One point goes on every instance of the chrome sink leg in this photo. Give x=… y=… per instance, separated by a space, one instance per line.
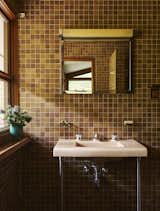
x=61 y=182
x=138 y=184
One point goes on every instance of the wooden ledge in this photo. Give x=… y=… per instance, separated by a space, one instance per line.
x=12 y=147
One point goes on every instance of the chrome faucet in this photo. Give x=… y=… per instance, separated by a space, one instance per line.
x=66 y=123
x=96 y=174
x=78 y=137
x=115 y=137
x=95 y=137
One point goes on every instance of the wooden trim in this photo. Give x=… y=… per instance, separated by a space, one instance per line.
x=6 y=10
x=78 y=72
x=4 y=76
x=78 y=58
x=79 y=79
x=13 y=147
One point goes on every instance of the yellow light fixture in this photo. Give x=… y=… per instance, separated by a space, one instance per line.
x=95 y=33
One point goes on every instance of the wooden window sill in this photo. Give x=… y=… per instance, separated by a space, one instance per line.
x=10 y=146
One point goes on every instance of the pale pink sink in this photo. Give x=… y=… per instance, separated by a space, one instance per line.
x=86 y=148
x=100 y=144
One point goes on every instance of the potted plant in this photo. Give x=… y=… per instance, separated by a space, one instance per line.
x=16 y=119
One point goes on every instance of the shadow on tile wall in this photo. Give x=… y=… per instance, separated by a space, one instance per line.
x=40 y=87
x=10 y=183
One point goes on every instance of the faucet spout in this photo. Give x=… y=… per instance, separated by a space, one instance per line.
x=114 y=137
x=95 y=137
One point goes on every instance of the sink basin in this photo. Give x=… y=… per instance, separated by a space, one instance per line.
x=99 y=144
x=86 y=148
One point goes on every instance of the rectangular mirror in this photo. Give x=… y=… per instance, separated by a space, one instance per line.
x=96 y=66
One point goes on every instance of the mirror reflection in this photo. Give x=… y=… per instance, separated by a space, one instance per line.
x=78 y=75
x=96 y=66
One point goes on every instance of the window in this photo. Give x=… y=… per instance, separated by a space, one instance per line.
x=4 y=64
x=7 y=58
x=4 y=29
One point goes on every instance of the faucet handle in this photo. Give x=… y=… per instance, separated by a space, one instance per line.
x=115 y=137
x=95 y=135
x=65 y=123
x=78 y=137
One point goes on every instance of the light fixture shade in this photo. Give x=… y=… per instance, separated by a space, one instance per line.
x=96 y=33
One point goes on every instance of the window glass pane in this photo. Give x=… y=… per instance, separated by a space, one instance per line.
x=3 y=99
x=86 y=75
x=80 y=86
x=4 y=27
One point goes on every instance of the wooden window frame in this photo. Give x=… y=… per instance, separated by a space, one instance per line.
x=12 y=76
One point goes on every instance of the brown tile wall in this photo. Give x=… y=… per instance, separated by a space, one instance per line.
x=10 y=183
x=14 y=4
x=39 y=66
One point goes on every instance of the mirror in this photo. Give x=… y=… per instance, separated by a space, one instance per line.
x=78 y=75
x=96 y=66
